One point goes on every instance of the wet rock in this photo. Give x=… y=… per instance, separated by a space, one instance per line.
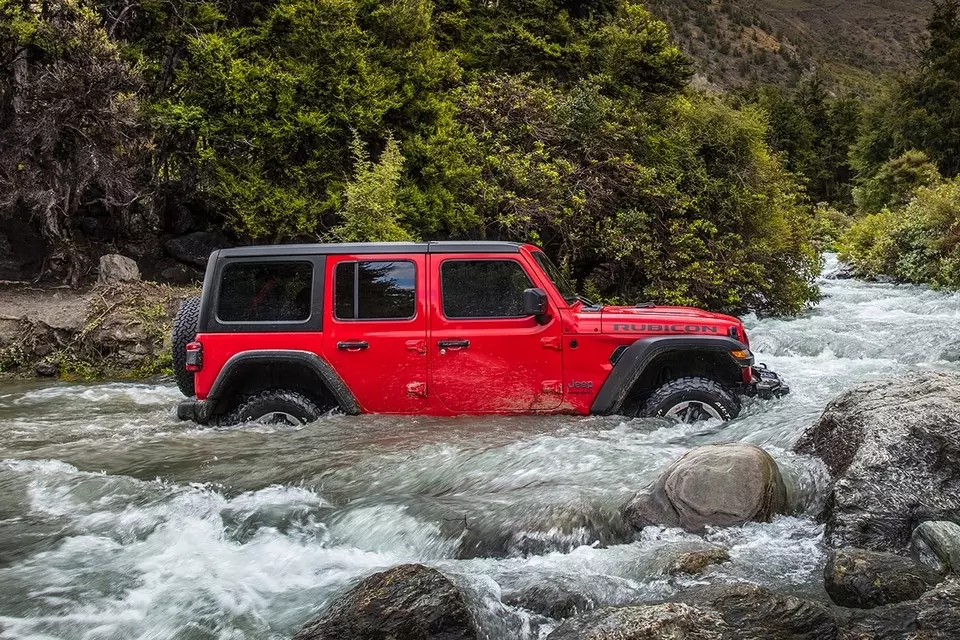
x=696 y=562
x=195 y=248
x=411 y=601
x=937 y=545
x=672 y=620
x=115 y=268
x=865 y=579
x=934 y=616
x=893 y=449
x=713 y=485
x=842 y=272
x=45 y=370
x=755 y=613
x=552 y=599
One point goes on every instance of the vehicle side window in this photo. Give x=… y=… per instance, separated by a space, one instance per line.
x=265 y=292
x=375 y=290
x=483 y=288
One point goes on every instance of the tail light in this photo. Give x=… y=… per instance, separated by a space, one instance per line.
x=194 y=357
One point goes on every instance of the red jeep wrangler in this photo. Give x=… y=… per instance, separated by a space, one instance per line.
x=286 y=333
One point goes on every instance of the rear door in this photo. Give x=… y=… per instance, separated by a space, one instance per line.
x=485 y=355
x=375 y=329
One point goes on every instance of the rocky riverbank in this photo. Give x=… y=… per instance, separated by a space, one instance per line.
x=891 y=518
x=113 y=330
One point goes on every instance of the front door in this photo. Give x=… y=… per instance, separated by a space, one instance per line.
x=375 y=329
x=486 y=356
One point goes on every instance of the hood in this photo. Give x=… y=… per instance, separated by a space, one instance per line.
x=668 y=320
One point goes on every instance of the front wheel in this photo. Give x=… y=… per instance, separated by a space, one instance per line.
x=276 y=406
x=691 y=400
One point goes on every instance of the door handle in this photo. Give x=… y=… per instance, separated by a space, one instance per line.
x=453 y=344
x=352 y=346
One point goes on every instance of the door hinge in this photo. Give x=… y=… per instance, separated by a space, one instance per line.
x=551 y=343
x=553 y=386
x=417 y=346
x=417 y=389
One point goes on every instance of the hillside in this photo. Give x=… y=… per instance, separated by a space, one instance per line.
x=735 y=42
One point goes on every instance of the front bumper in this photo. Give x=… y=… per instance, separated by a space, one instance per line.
x=766 y=384
x=199 y=411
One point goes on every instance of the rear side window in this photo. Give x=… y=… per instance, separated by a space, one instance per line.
x=483 y=288
x=375 y=290
x=266 y=292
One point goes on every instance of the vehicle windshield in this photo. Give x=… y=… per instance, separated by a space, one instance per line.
x=564 y=286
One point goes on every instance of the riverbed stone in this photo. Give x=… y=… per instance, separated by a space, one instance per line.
x=756 y=613
x=116 y=268
x=864 y=579
x=933 y=616
x=45 y=370
x=937 y=545
x=668 y=621
x=696 y=562
x=410 y=601
x=893 y=450
x=716 y=485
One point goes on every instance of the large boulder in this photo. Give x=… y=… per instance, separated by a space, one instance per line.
x=115 y=268
x=865 y=579
x=937 y=545
x=713 y=485
x=893 y=450
x=195 y=248
x=411 y=601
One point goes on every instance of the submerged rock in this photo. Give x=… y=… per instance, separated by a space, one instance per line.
x=555 y=600
x=696 y=562
x=410 y=601
x=865 y=579
x=893 y=449
x=672 y=620
x=713 y=485
x=937 y=545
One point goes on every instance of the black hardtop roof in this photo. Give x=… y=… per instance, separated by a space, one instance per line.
x=482 y=246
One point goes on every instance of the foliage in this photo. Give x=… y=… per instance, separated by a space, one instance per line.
x=569 y=124
x=71 y=137
x=370 y=210
x=829 y=226
x=895 y=182
x=922 y=110
x=918 y=243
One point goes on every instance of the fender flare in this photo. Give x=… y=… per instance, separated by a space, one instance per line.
x=638 y=356
x=334 y=383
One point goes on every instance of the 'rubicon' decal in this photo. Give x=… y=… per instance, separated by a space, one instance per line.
x=666 y=328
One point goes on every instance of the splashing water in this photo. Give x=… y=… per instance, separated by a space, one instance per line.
x=117 y=521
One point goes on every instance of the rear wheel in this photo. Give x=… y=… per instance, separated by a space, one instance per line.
x=184 y=332
x=275 y=406
x=691 y=400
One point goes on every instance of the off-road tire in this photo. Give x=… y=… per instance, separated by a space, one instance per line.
x=278 y=401
x=702 y=390
x=184 y=332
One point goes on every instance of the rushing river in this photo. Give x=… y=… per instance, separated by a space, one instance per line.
x=118 y=522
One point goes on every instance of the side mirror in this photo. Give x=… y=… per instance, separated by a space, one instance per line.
x=534 y=302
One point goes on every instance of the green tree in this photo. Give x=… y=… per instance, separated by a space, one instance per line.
x=895 y=182
x=370 y=211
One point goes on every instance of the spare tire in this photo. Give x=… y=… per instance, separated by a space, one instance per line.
x=184 y=332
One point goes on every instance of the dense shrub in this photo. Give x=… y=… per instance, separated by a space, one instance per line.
x=917 y=243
